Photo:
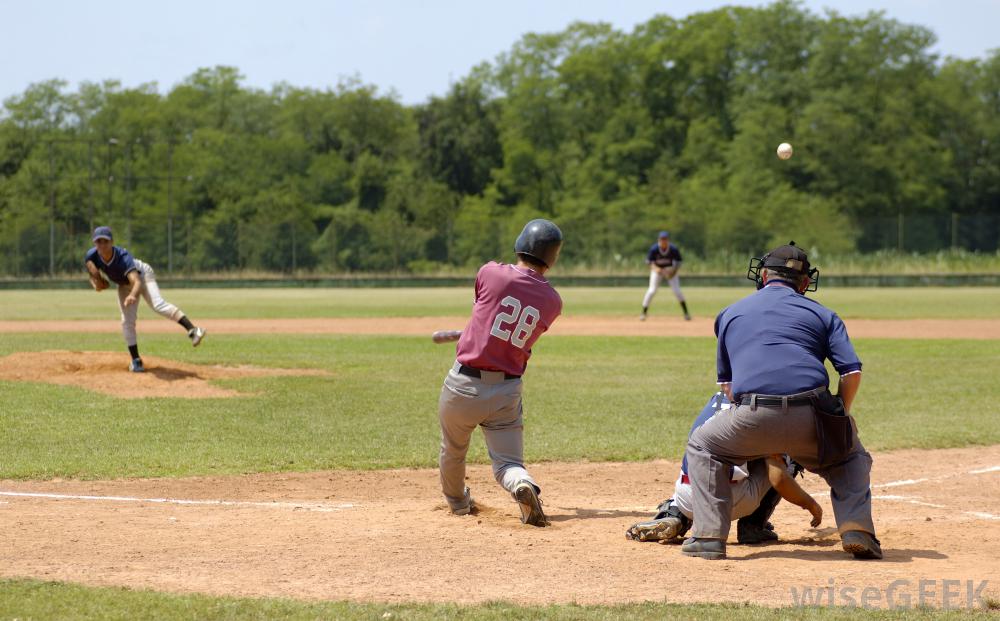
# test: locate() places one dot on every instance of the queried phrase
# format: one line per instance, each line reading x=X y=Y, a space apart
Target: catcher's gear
x=541 y=240
x=668 y=525
x=789 y=261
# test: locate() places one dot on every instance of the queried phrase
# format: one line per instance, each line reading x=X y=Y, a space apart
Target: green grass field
x=901 y=303
x=586 y=398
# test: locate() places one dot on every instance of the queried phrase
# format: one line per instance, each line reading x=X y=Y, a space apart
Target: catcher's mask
x=787 y=261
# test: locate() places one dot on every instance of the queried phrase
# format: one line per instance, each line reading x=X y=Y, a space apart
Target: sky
x=413 y=48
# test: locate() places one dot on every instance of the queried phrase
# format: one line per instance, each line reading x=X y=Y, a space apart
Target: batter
x=514 y=305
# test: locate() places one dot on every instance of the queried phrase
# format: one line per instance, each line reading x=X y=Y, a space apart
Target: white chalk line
x=321 y=507
x=937 y=478
x=909 y=499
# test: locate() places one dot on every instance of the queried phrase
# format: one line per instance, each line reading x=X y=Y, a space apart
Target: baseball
x=784 y=151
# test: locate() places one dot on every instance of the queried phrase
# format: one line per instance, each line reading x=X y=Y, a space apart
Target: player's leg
x=675 y=284
x=151 y=293
x=850 y=494
x=654 y=284
x=503 y=430
x=129 y=315
x=754 y=501
x=461 y=407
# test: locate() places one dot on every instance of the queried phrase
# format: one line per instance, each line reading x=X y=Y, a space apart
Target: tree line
x=613 y=135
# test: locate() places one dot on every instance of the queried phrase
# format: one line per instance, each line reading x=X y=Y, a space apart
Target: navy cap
x=787 y=257
x=664 y=234
x=102 y=232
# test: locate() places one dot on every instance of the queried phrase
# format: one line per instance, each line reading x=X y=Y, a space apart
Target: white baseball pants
x=654 y=283
x=151 y=293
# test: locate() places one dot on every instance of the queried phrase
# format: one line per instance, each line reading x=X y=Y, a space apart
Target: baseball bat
x=445 y=336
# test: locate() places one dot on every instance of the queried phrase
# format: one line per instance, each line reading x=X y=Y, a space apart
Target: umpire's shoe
x=711 y=549
x=861 y=544
x=747 y=532
x=531 y=507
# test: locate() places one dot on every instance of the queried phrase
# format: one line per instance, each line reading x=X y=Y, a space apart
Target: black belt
x=473 y=372
x=776 y=401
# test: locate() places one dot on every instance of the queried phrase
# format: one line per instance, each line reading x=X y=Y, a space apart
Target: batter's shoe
x=531 y=507
x=136 y=366
x=749 y=533
x=196 y=335
x=663 y=529
x=711 y=549
x=470 y=505
x=861 y=544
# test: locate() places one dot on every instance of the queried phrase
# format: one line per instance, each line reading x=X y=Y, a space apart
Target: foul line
x=937 y=478
x=180 y=501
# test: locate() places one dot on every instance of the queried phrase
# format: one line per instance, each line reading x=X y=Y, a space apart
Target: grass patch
x=598 y=399
x=32 y=599
x=894 y=303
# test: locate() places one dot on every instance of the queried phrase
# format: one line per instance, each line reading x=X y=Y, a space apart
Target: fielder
x=514 y=305
x=664 y=259
x=757 y=487
x=134 y=278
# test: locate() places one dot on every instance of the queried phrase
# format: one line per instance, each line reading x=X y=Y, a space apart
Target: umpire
x=770 y=357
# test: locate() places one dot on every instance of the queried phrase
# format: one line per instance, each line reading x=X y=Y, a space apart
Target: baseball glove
x=98 y=283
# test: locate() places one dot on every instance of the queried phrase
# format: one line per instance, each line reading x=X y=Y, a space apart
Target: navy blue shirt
x=118 y=268
x=663 y=258
x=774 y=342
x=711 y=408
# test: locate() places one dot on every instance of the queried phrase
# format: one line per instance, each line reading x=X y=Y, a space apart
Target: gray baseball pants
x=490 y=402
x=746 y=493
x=746 y=432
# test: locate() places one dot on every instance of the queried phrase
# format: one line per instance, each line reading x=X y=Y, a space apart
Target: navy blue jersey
x=663 y=258
x=775 y=342
x=118 y=268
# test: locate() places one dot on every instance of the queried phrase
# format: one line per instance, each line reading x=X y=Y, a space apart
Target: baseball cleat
x=711 y=549
x=663 y=529
x=196 y=335
x=687 y=317
x=861 y=544
x=136 y=366
x=531 y=507
x=749 y=533
x=642 y=317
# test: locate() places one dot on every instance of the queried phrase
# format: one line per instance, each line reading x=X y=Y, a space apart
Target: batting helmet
x=540 y=239
x=788 y=261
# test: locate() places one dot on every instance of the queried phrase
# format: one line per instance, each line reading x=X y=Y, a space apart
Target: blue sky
x=414 y=48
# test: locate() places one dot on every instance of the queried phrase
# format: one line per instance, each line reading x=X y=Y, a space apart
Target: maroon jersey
x=513 y=307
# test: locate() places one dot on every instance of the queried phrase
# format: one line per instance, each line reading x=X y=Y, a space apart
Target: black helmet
x=540 y=239
x=789 y=261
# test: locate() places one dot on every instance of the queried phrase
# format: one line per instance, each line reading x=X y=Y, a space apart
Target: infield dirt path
x=386 y=536
x=579 y=325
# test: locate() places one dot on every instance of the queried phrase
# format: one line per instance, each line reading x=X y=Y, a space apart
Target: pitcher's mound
x=107 y=373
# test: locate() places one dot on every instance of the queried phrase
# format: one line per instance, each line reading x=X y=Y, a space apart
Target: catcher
x=134 y=278
x=758 y=486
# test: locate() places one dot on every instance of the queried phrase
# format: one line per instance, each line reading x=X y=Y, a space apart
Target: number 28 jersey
x=513 y=307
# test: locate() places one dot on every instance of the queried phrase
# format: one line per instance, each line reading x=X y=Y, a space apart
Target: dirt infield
x=386 y=536
x=106 y=372
x=579 y=325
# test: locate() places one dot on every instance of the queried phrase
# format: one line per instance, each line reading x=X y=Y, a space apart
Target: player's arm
x=96 y=280
x=789 y=489
x=136 y=284
x=847 y=388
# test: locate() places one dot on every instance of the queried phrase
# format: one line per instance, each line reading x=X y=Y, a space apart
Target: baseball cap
x=787 y=257
x=102 y=232
x=664 y=234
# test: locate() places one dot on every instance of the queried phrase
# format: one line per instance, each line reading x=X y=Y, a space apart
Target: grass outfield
x=596 y=399
x=873 y=303
x=30 y=599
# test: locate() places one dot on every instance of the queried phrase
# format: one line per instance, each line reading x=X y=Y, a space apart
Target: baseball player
x=757 y=486
x=134 y=278
x=664 y=259
x=513 y=306
x=771 y=350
